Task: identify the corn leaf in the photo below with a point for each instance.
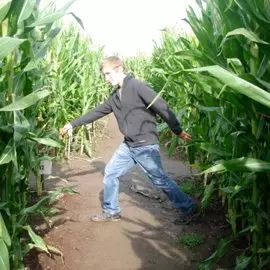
(55, 250)
(48, 19)
(47, 141)
(67, 5)
(240, 164)
(208, 191)
(188, 55)
(38, 241)
(78, 20)
(8, 153)
(3, 232)
(4, 257)
(242, 262)
(26, 101)
(26, 10)
(8, 44)
(35, 207)
(155, 99)
(213, 149)
(246, 33)
(4, 8)
(217, 255)
(51, 18)
(244, 87)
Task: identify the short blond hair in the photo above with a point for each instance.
(113, 61)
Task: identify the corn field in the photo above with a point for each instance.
(218, 82)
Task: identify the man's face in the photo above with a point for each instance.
(112, 74)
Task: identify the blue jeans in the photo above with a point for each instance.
(148, 158)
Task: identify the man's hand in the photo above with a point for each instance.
(185, 136)
(65, 129)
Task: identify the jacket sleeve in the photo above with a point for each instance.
(100, 111)
(160, 107)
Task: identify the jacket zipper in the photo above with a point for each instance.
(124, 121)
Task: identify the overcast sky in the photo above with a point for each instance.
(129, 27)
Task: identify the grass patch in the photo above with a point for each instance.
(192, 188)
(190, 241)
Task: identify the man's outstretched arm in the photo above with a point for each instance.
(98, 112)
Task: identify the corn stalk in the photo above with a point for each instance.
(26, 31)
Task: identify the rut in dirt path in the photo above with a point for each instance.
(143, 239)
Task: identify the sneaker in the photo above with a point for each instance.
(185, 219)
(103, 217)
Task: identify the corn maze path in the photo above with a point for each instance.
(144, 239)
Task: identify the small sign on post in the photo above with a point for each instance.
(45, 167)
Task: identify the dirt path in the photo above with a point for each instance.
(144, 239)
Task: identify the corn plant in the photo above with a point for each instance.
(26, 32)
(73, 75)
(219, 84)
(140, 66)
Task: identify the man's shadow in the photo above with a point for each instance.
(100, 166)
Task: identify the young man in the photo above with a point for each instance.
(137, 121)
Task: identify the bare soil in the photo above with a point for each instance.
(145, 238)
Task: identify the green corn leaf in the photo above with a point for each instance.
(208, 109)
(32, 64)
(231, 189)
(3, 205)
(264, 83)
(3, 232)
(242, 262)
(26, 11)
(67, 5)
(264, 251)
(246, 33)
(35, 207)
(263, 67)
(208, 191)
(4, 257)
(48, 19)
(47, 141)
(174, 143)
(66, 190)
(217, 255)
(4, 8)
(26, 101)
(87, 147)
(41, 52)
(8, 44)
(191, 154)
(78, 20)
(55, 250)
(244, 87)
(240, 164)
(155, 99)
(161, 127)
(213, 149)
(8, 153)
(38, 241)
(190, 55)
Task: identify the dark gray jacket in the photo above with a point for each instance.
(135, 121)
